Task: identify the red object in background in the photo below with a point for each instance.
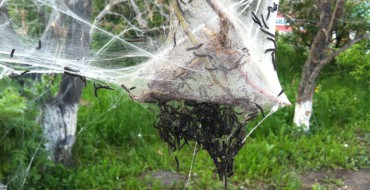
(282, 26)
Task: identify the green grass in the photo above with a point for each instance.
(117, 145)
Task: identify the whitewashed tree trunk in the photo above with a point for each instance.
(59, 126)
(302, 114)
(317, 58)
(312, 68)
(320, 54)
(60, 113)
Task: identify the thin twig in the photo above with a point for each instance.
(191, 166)
(29, 165)
(183, 23)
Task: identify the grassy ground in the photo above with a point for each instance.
(117, 146)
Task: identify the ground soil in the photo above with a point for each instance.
(331, 180)
(338, 179)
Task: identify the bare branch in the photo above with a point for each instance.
(224, 21)
(292, 20)
(339, 6)
(143, 23)
(105, 11)
(183, 22)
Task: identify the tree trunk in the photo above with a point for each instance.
(317, 58)
(60, 113)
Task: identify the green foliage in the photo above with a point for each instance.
(317, 186)
(358, 17)
(20, 135)
(340, 102)
(358, 58)
(306, 16)
(11, 104)
(114, 117)
(25, 12)
(290, 58)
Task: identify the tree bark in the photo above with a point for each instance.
(60, 113)
(311, 70)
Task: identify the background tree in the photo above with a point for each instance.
(60, 113)
(68, 37)
(327, 28)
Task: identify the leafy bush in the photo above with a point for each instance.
(358, 58)
(290, 59)
(21, 139)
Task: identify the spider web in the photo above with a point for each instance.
(178, 60)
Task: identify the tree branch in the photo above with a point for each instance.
(107, 10)
(224, 22)
(343, 48)
(143, 23)
(183, 22)
(293, 20)
(339, 6)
